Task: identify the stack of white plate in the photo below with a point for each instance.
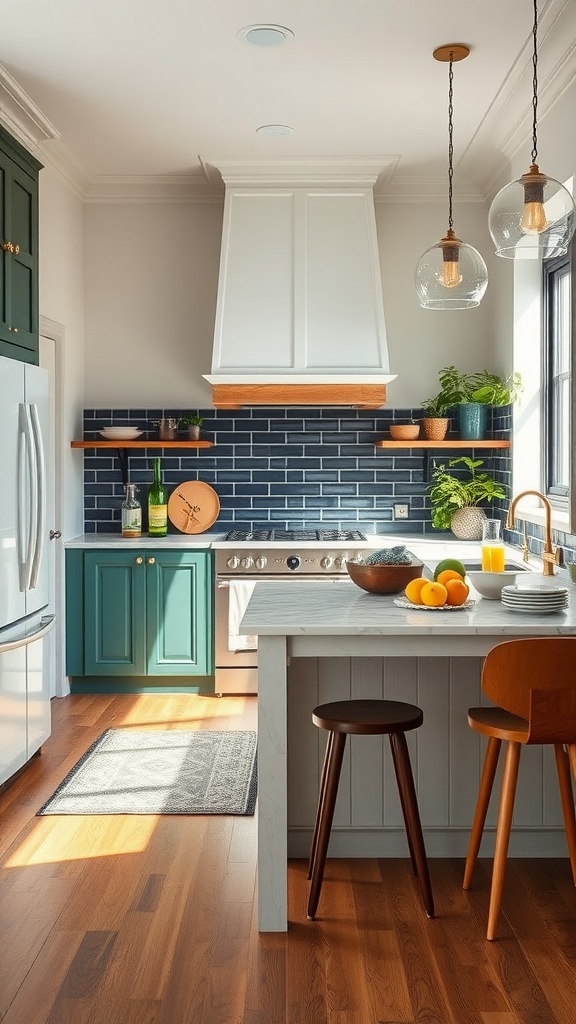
(120, 433)
(534, 599)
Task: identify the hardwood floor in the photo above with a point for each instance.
(145, 920)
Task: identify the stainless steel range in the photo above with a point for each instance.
(266, 556)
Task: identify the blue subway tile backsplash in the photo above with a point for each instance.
(298, 468)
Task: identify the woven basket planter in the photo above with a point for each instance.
(434, 428)
(466, 523)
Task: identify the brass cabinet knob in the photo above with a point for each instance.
(11, 247)
(139, 560)
(151, 561)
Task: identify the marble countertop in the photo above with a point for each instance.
(298, 608)
(103, 541)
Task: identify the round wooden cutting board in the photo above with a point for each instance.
(193, 506)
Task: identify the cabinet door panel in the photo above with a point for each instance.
(114, 616)
(179, 614)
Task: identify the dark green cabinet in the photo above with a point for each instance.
(18, 251)
(139, 613)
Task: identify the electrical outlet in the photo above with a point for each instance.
(400, 511)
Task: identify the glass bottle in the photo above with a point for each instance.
(157, 504)
(493, 559)
(131, 513)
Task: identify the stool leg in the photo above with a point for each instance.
(412, 817)
(572, 756)
(486, 783)
(503, 833)
(566, 792)
(403, 806)
(321, 793)
(325, 823)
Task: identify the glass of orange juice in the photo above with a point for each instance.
(492, 546)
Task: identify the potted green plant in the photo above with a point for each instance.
(435, 421)
(193, 424)
(456, 499)
(473, 393)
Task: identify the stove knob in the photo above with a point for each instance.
(325, 562)
(293, 562)
(233, 562)
(247, 562)
(339, 563)
(261, 562)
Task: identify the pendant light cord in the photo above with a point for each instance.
(535, 85)
(450, 142)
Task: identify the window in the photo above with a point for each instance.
(558, 392)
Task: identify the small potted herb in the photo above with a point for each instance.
(192, 424)
(435, 421)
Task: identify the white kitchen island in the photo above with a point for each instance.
(430, 658)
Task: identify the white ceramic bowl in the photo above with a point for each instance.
(489, 584)
(120, 433)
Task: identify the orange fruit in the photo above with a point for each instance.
(413, 589)
(448, 574)
(433, 594)
(457, 591)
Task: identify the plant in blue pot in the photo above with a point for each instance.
(472, 395)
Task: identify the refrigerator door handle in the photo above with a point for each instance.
(27, 497)
(39, 509)
(46, 626)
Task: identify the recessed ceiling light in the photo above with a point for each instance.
(265, 35)
(275, 129)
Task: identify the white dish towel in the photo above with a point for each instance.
(240, 593)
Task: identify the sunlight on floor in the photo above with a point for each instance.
(83, 838)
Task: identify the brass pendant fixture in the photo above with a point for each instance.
(452, 274)
(534, 216)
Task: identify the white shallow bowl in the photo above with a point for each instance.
(120, 433)
(489, 584)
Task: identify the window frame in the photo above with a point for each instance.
(563, 501)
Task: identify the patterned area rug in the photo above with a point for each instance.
(150, 772)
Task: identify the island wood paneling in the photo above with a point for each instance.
(446, 759)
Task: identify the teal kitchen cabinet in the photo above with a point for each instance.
(18, 251)
(139, 614)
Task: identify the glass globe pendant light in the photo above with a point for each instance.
(534, 217)
(452, 274)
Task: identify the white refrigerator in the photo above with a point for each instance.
(26, 618)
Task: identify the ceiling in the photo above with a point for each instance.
(144, 93)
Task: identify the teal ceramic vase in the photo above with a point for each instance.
(472, 421)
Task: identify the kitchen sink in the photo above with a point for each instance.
(509, 567)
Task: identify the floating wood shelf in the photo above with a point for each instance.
(141, 444)
(442, 444)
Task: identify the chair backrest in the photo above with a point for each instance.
(536, 680)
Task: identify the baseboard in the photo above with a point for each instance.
(439, 842)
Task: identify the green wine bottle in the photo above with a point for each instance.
(157, 504)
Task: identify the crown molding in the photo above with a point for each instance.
(150, 188)
(20, 115)
(428, 189)
(507, 125)
(304, 172)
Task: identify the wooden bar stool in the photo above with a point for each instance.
(533, 682)
(367, 718)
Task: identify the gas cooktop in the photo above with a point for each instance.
(327, 536)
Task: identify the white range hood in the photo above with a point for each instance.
(300, 316)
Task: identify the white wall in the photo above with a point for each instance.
(62, 300)
(151, 273)
(422, 341)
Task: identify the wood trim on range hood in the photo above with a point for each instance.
(359, 396)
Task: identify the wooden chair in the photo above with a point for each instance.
(367, 718)
(533, 684)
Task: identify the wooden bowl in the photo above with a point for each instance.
(383, 579)
(404, 431)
